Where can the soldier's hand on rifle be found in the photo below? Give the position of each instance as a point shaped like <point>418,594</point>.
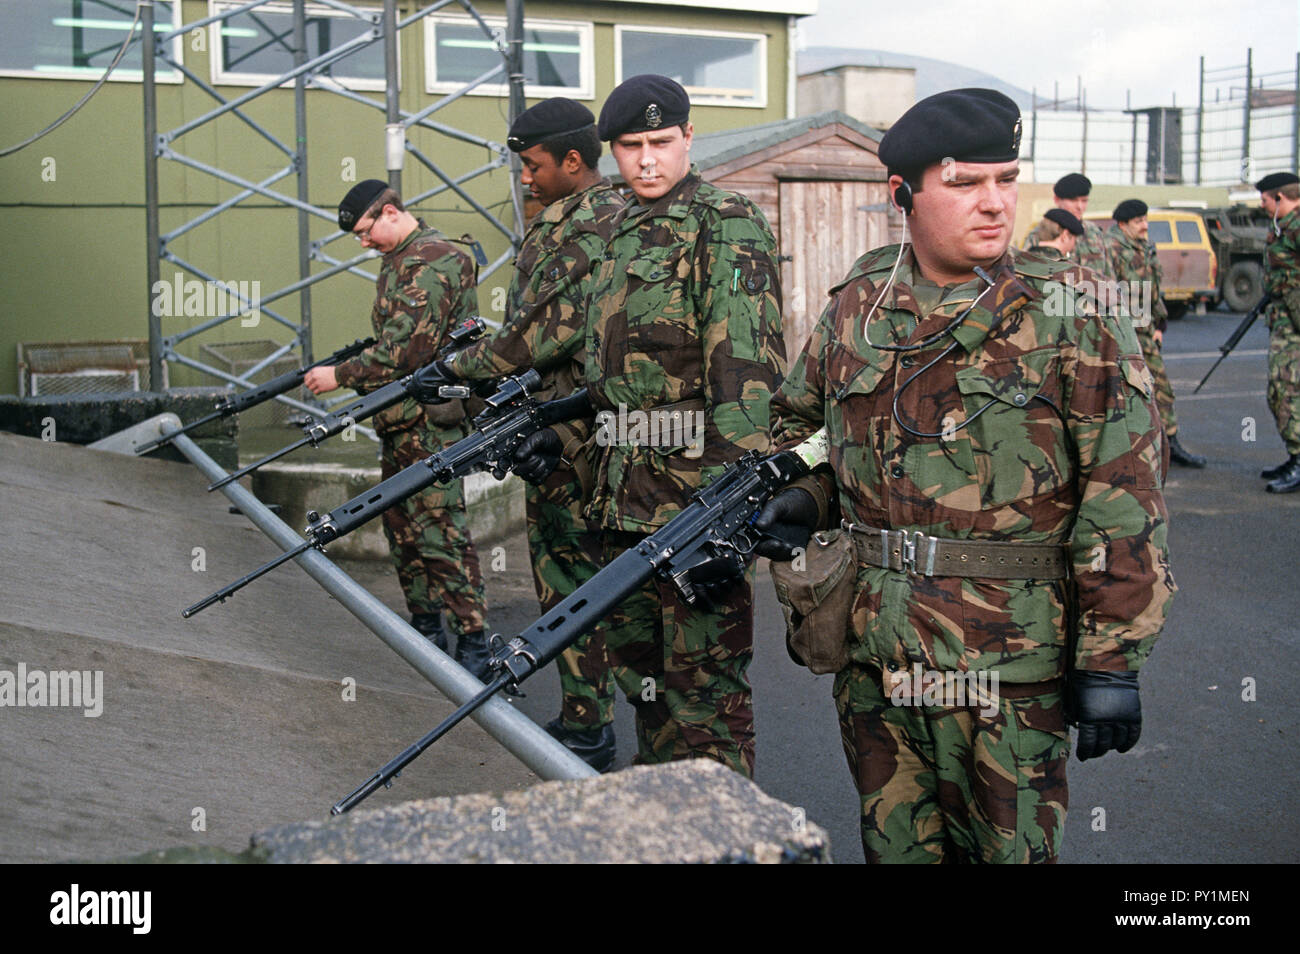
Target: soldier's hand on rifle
<point>789,520</point>
<point>429,379</point>
<point>1108,710</point>
<point>321,379</point>
<point>538,455</point>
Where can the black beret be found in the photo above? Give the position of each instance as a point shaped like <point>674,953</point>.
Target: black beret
<point>1073,186</point>
<point>1064,219</point>
<point>358,199</point>
<point>1129,209</point>
<point>1276,180</point>
<point>550,118</point>
<point>966,125</point>
<point>642,103</point>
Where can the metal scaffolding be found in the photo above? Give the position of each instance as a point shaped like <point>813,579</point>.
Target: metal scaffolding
<point>384,27</point>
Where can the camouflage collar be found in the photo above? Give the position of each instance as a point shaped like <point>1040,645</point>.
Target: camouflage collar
<point>1007,295</point>
<point>558,211</point>
<point>421,230</point>
<point>676,203</point>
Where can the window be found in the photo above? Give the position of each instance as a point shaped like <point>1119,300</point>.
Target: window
<point>1188,233</point>
<point>558,57</point>
<point>77,39</point>
<point>716,69</point>
<point>254,47</point>
<point>1158,233</point>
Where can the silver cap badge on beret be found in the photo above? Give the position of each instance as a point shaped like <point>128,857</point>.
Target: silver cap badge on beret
<point>1015,135</point>
<point>653,116</point>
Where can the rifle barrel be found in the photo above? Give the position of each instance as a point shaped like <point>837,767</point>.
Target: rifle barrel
<point>394,768</point>
<point>221,594</point>
<point>243,471</point>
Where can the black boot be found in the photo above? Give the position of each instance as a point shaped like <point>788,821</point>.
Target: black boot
<point>429,625</point>
<point>1180,455</point>
<point>1288,480</point>
<point>593,746</point>
<point>1275,472</point>
<point>472,653</point>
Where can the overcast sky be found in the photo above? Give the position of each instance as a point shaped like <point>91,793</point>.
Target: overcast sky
<point>1148,46</point>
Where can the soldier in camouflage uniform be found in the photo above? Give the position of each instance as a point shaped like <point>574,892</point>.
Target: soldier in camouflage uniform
<point>1092,248</point>
<point>426,287</point>
<point>544,329</point>
<point>1138,272</point>
<point>1279,194</point>
<point>1056,236</point>
<point>998,467</point>
<point>685,325</point>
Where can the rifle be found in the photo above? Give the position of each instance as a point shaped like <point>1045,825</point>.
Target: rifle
<point>237,403</point>
<point>1235,339</point>
<point>716,524</point>
<point>368,405</point>
<point>511,416</point>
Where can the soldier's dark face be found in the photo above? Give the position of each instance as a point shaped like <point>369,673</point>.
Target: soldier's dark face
<point>962,217</point>
<point>653,162</point>
<point>547,179</point>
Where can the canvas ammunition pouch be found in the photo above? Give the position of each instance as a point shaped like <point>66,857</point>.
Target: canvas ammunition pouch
<point>816,595</point>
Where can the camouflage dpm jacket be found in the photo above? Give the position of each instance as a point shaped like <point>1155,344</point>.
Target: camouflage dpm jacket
<point>1037,427</point>
<point>546,304</point>
<point>1282,275</point>
<point>426,286</point>
<point>1091,249</point>
<point>685,310</point>
<point>1134,262</point>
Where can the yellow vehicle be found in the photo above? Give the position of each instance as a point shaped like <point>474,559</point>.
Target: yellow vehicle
<point>1186,256</point>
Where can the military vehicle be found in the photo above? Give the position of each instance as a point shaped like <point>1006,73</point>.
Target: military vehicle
<point>1239,234</point>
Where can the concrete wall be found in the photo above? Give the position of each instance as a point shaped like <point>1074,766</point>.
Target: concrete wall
<point>875,95</point>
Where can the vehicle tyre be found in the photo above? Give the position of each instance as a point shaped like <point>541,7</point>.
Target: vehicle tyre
<point>1244,286</point>
<point>1176,309</point>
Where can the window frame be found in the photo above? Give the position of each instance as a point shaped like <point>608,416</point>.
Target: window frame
<point>761,102</point>
<point>585,29</point>
<point>165,74</point>
<point>216,48</point>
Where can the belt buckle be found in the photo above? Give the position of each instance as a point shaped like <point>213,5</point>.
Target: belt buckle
<point>908,549</point>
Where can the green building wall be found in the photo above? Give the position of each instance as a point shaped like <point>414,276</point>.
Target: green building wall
<point>74,249</point>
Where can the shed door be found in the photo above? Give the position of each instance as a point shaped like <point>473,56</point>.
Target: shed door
<point>823,231</point>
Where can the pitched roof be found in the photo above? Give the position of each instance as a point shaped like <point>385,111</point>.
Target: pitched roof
<point>717,148</point>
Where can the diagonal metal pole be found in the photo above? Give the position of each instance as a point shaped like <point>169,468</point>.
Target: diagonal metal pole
<point>522,737</point>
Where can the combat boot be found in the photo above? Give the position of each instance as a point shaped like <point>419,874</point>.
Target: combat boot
<point>1180,455</point>
<point>1275,472</point>
<point>429,625</point>
<point>472,653</point>
<point>593,746</point>
<point>1288,480</point>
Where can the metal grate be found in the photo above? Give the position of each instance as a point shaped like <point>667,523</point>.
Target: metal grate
<point>83,367</point>
<point>236,357</point>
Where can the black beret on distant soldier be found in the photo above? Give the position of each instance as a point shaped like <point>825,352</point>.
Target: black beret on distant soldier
<point>1074,186</point>
<point>358,199</point>
<point>641,104</point>
<point>550,118</point>
<point>1065,220</point>
<point>1129,209</point>
<point>964,125</point>
<point>1277,180</point>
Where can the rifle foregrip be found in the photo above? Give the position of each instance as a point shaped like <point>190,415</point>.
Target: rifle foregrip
<point>370,504</point>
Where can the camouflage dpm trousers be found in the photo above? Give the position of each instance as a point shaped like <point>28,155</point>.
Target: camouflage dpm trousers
<point>683,669</point>
<point>944,784</point>
<point>428,537</point>
<point>565,555</point>
<point>1284,375</point>
<point>1164,391</point>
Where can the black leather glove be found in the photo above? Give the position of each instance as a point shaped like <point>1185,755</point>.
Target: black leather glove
<point>429,379</point>
<point>537,455</point>
<point>787,521</point>
<point>1108,710</point>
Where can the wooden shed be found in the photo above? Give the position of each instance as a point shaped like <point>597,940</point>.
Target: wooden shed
<point>811,176</point>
